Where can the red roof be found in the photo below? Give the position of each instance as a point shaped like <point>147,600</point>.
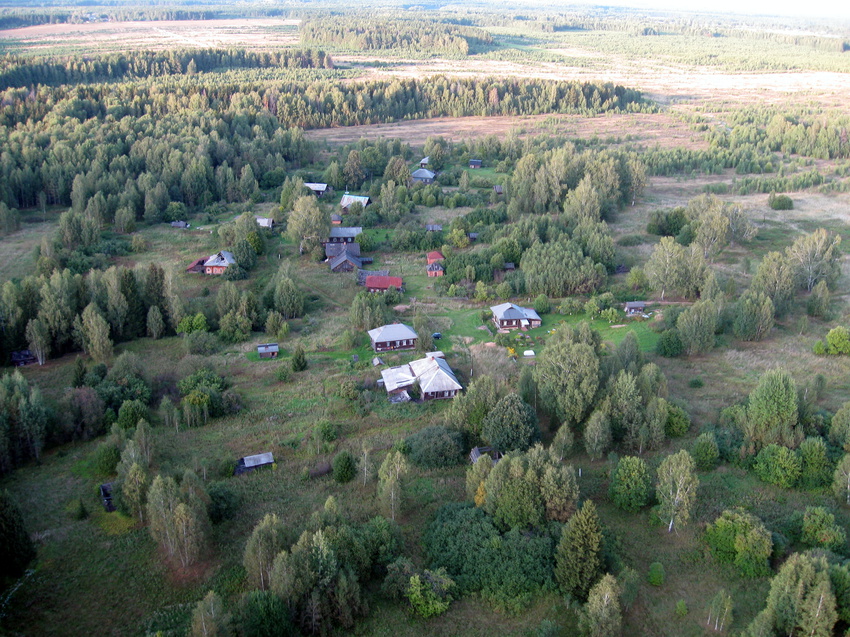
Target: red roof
<point>435,255</point>
<point>382,282</point>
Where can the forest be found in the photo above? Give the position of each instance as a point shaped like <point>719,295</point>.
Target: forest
<point>668,453</point>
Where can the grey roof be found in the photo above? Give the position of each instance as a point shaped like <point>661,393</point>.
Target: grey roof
<point>224,258</point>
<point>638,305</point>
<point>434,267</point>
<point>266,348</point>
<point>347,200</point>
<point>340,232</point>
<point>422,173</point>
<point>315,187</point>
<point>259,459</point>
<point>433,227</point>
<point>344,256</point>
<point>264,222</point>
<point>425,160</point>
<point>335,249</point>
<point>179,224</point>
<point>396,378</point>
<point>394,332</point>
<point>510,312</point>
<point>434,374</point>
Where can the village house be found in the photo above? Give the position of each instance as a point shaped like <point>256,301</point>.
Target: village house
<point>197,266</point>
<point>349,200</point>
<point>265,222</point>
<point>268,350</point>
<point>345,257</point>
<point>393,337</point>
<point>219,262</point>
<point>434,256</point>
<point>433,227</point>
<point>343,235</point>
<point>475,163</point>
<point>508,316</point>
<point>249,463</point>
<point>434,375</point>
<point>423,176</point>
<point>318,189</point>
<point>383,283</point>
<point>633,308</point>
<point>435,269</point>
<point>180,224</point>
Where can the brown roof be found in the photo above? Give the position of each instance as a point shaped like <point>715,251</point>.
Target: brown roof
<point>435,255</point>
<point>383,282</point>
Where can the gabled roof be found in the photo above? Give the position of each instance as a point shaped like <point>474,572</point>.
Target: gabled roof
<point>267,348</point>
<point>393,332</point>
<point>383,282</point>
<point>336,249</point>
<point>340,232</point>
<point>397,377</point>
<point>425,161</point>
<point>342,257</point>
<point>434,267</point>
<point>434,374</point>
<point>474,162</point>
<point>179,224</point>
<point>435,254</point>
<point>433,227</point>
<point>637,305</point>
<point>196,264</point>
<point>510,312</point>
<point>223,258</point>
<point>422,173</point>
<point>315,187</point>
<point>347,200</point>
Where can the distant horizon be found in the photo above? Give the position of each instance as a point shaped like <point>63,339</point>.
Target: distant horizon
<point>816,9</point>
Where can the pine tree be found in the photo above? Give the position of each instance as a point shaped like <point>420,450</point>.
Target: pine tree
<point>602,615</point>
<point>299,360</point>
<point>16,548</point>
<point>266,541</point>
<point>578,563</point>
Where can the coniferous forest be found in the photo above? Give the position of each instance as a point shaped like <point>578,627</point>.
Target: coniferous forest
<point>623,411</point>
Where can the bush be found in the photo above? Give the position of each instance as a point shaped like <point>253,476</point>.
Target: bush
<point>739,538</point>
<point>224,502</point>
<point>678,422</point>
<point>656,574</point>
<point>436,446</point>
<point>201,343</point>
<point>299,360</point>
<point>778,465</point>
<point>283,373</point>
<point>79,511</point>
<point>344,467</point>
<point>263,614</point>
<point>838,340</point>
<point>819,349</point>
<point>630,487</point>
<point>681,608</point>
<point>821,531</point>
<point>130,413</point>
<point>696,383</point>
<point>541,304</point>
<point>106,459</point>
<point>670,344</point>
<point>705,452</point>
<point>326,431</point>
<point>780,202</point>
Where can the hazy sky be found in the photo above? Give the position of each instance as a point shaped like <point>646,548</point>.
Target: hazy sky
<point>812,8</point>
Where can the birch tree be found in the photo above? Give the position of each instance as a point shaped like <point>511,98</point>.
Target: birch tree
<point>719,611</point>
<point>841,480</point>
<point>815,257</point>
<point>676,488</point>
<point>389,481</point>
<point>266,541</point>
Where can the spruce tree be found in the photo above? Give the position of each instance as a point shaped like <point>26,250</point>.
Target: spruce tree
<point>16,547</point>
<point>578,564</point>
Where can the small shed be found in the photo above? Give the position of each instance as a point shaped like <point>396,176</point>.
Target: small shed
<point>383,283</point>
<point>106,497</point>
<point>268,350</point>
<point>23,357</point>
<point>433,227</point>
<point>180,224</point>
<point>265,222</point>
<point>475,163</point>
<point>477,452</point>
<point>317,188</point>
<point>249,463</point>
<point>498,189</point>
<point>336,220</point>
<point>635,307</point>
<point>423,163</point>
<point>473,236</point>
<point>377,362</point>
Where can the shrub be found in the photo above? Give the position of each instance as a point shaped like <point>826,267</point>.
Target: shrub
<point>326,431</point>
<point>130,413</point>
<point>739,538</point>
<point>79,511</point>
<point>705,452</point>
<point>106,459</point>
<point>821,531</point>
<point>816,468</point>
<point>819,349</point>
<point>436,446</point>
<point>780,202</point>
<point>224,502</point>
<point>838,340</point>
<point>681,608</point>
<point>670,344</point>
<point>344,467</point>
<point>541,304</point>
<point>630,487</point>
<point>778,465</point>
<point>299,360</point>
<point>696,383</point>
<point>201,343</point>
<point>283,373</point>
<point>656,574</point>
<point>429,594</point>
<point>678,422</point>
<point>263,614</point>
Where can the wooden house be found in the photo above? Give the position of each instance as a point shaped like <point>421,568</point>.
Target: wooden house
<point>343,235</point>
<point>197,265</point>
<point>508,316</point>
<point>475,163</point>
<point>423,176</point>
<point>249,463</point>
<point>633,308</point>
<point>349,200</point>
<point>435,269</point>
<point>383,283</point>
<point>268,350</point>
<point>393,337</point>
<point>219,262</point>
<point>319,190</point>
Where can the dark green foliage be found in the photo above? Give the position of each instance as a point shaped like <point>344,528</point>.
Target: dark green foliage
<point>630,487</point>
<point>105,458</point>
<point>79,512</point>
<point>705,452</point>
<point>667,223</point>
<point>819,530</point>
<point>780,202</point>
<point>778,465</point>
<point>816,467</point>
<point>204,377</point>
<point>16,547</point>
<point>224,502</point>
<point>578,563</point>
<point>511,425</point>
<point>344,466</point>
<point>436,446</point>
<point>772,411</point>
<point>670,344</point>
<point>130,413</point>
<point>520,505</point>
<point>299,360</point>
<point>739,538</point>
<point>283,373</point>
<point>327,431</point>
<point>263,614</point>
<point>656,574</point>
<point>397,581</point>
<point>678,422</point>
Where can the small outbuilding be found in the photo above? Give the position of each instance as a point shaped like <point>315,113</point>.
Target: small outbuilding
<point>184,225</point>
<point>423,163</point>
<point>477,452</point>
<point>498,189</point>
<point>268,350</point>
<point>434,256</point>
<point>265,222</point>
<point>106,497</point>
<point>635,307</point>
<point>23,357</point>
<point>249,463</point>
<point>318,189</point>
<point>383,283</point>
<point>475,163</point>
<point>433,227</point>
<point>336,220</point>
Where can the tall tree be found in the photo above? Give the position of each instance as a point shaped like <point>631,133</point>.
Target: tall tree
<point>696,327</point>
<point>753,316</point>
<point>630,487</point>
<point>209,618</point>
<point>666,264</point>
<point>567,373</point>
<point>353,172</point>
<point>94,332</point>
<point>772,411</point>
<point>578,561</point>
<point>841,480</point>
<point>511,425</point>
<point>775,278</point>
<point>307,224</point>
<point>676,488</point>
<point>38,339</point>
<point>133,489</point>
<point>602,615</point>
<point>393,468</point>
<point>266,541</point>
<point>815,258</point>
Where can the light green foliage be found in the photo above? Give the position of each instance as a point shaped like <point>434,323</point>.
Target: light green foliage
<point>602,615</point>
<point>429,594</point>
<point>209,618</point>
<point>838,341</point>
<point>739,538</point>
<point>719,611</point>
<point>696,327</point>
<point>656,574</point>
<point>563,444</point>
<point>814,258</point>
<point>676,488</point>
<point>753,317</point>
<point>469,410</point>
<point>597,434</point>
<point>816,467</point>
<point>775,279</point>
<point>772,411</point>
<point>307,224</point>
<point>567,373</point>
<point>820,530</point>
<point>511,425</point>
<point>819,300</point>
<point>390,474</point>
<point>267,540</point>
<point>578,563</point>
<point>705,452</point>
<point>629,582</point>
<point>778,465</point>
<point>627,413</point>
<point>841,480</point>
<point>155,324</point>
<point>630,487</point>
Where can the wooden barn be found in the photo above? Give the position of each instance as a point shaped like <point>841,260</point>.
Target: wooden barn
<point>249,463</point>
<point>268,350</point>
